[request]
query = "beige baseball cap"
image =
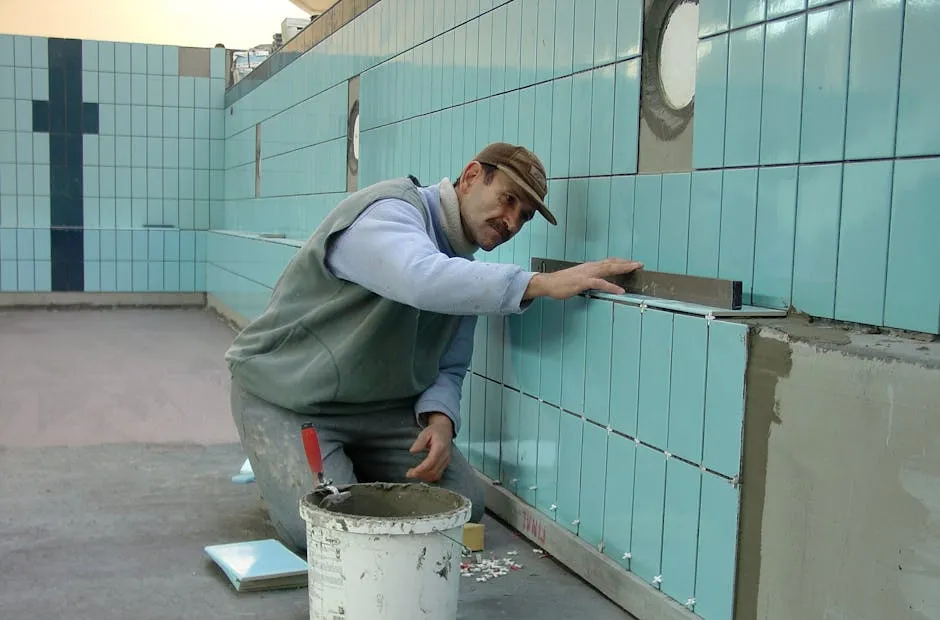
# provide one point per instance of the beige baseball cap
(523, 168)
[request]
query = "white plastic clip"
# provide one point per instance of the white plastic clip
(553, 507)
(710, 316)
(668, 455)
(533, 488)
(658, 580)
(636, 440)
(600, 547)
(514, 481)
(627, 556)
(690, 603)
(576, 522)
(643, 307)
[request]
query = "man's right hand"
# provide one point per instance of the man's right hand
(584, 277)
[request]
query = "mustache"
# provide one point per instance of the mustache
(501, 228)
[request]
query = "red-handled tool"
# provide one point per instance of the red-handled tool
(315, 459)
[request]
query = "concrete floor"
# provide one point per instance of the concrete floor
(117, 451)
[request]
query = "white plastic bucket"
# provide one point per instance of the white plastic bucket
(389, 551)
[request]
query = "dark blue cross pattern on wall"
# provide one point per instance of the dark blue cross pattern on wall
(66, 118)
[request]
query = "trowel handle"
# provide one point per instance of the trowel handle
(312, 448)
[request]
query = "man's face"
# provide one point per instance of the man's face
(492, 212)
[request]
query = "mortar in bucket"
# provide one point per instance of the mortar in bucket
(389, 551)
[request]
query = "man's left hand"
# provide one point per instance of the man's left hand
(436, 440)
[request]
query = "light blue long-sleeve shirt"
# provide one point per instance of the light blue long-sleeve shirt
(389, 250)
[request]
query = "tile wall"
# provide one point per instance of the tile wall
(111, 164)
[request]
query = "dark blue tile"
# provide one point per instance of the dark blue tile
(90, 118)
(41, 116)
(68, 271)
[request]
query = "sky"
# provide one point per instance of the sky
(237, 24)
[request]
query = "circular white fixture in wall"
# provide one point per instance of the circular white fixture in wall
(678, 55)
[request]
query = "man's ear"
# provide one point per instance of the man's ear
(469, 175)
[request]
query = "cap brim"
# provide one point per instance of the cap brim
(531, 193)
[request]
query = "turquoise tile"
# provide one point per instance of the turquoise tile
(674, 230)
(819, 200)
(574, 351)
(738, 227)
(561, 128)
(203, 99)
(913, 290)
(717, 548)
(26, 277)
(528, 449)
(918, 123)
(512, 351)
(494, 347)
(138, 90)
(747, 12)
(480, 338)
(122, 58)
(654, 381)
(498, 51)
(545, 40)
(874, 67)
(604, 30)
(680, 529)
(92, 275)
(24, 244)
(108, 212)
(687, 387)
(711, 85)
(570, 437)
(108, 275)
(8, 275)
(509, 441)
(646, 220)
(724, 397)
(139, 277)
(626, 117)
(583, 46)
(602, 120)
(492, 429)
(598, 219)
(530, 370)
(171, 60)
(629, 29)
(743, 103)
(23, 83)
(139, 58)
(779, 8)
(618, 501)
(92, 245)
(580, 142)
(22, 51)
(7, 83)
(782, 91)
(543, 121)
(139, 244)
(597, 366)
(39, 54)
(620, 231)
(124, 276)
(6, 50)
(473, 52)
(106, 56)
(41, 245)
(649, 491)
(108, 245)
(546, 494)
(43, 276)
(825, 83)
(200, 277)
(171, 276)
(576, 219)
(714, 16)
(773, 246)
(529, 41)
(484, 68)
(625, 368)
(187, 91)
(155, 276)
(592, 496)
(863, 241)
(564, 37)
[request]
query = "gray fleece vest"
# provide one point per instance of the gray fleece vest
(326, 345)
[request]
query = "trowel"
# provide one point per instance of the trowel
(325, 487)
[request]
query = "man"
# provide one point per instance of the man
(369, 331)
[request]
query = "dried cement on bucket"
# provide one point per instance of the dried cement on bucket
(389, 551)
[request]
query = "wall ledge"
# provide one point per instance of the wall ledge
(853, 340)
(102, 300)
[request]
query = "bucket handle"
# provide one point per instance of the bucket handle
(465, 547)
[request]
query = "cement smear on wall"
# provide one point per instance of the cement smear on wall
(841, 491)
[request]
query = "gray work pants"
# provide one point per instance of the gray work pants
(362, 447)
